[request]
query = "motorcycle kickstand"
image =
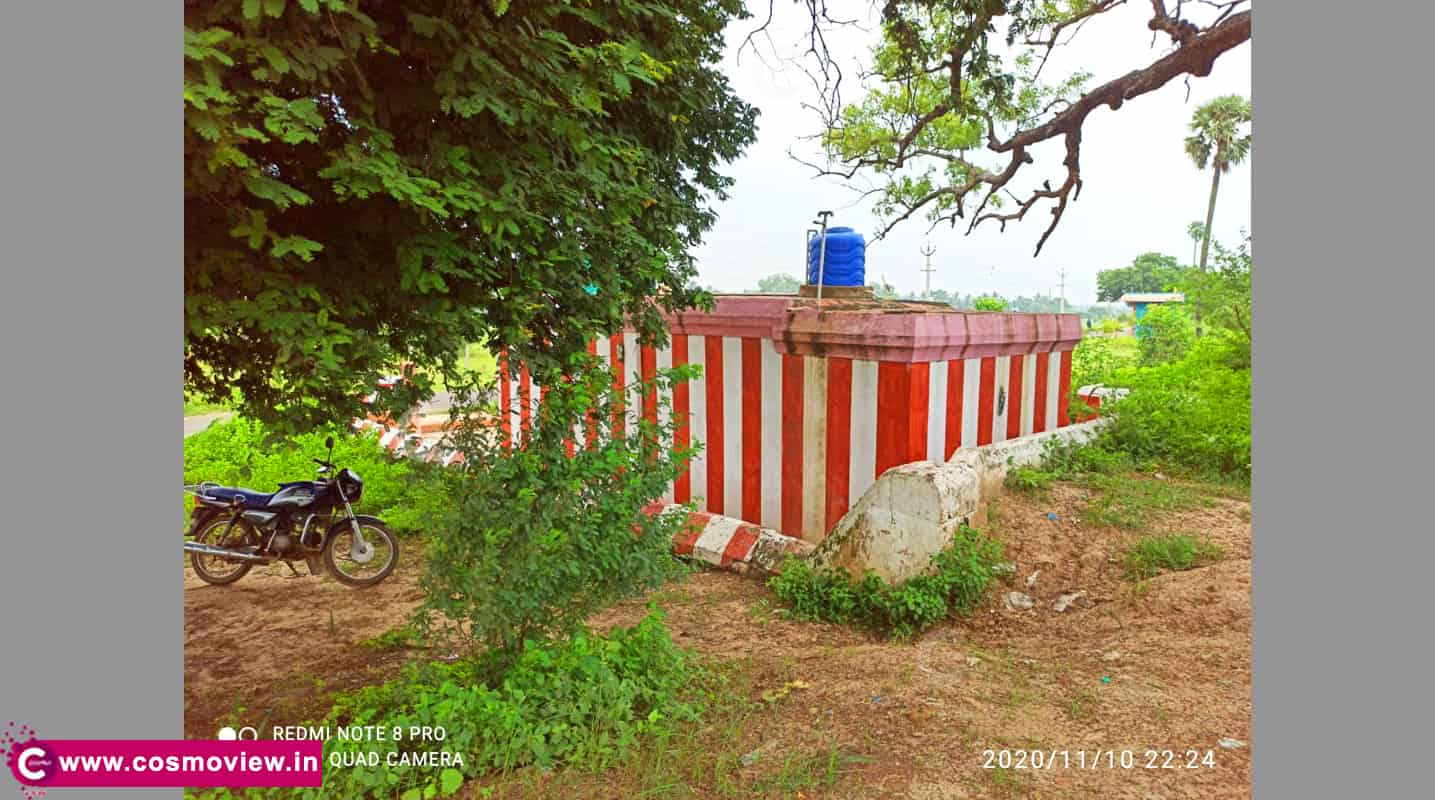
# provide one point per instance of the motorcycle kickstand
(290, 565)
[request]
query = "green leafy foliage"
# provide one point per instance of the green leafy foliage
(586, 701)
(779, 283)
(957, 583)
(1149, 272)
(244, 452)
(1166, 334)
(1193, 414)
(535, 540)
(1224, 296)
(989, 303)
(1152, 555)
(368, 183)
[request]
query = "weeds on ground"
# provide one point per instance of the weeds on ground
(1150, 556)
(960, 576)
(401, 638)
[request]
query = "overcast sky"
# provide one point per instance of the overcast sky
(1140, 190)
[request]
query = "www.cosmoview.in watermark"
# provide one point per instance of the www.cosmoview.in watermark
(42, 764)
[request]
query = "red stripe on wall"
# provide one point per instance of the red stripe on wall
(893, 416)
(740, 545)
(917, 428)
(1063, 392)
(505, 403)
(986, 400)
(712, 369)
(683, 486)
(751, 428)
(685, 538)
(792, 369)
(1038, 408)
(956, 374)
(615, 355)
(648, 370)
(1013, 399)
(525, 391)
(839, 436)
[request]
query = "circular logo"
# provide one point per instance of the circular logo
(34, 763)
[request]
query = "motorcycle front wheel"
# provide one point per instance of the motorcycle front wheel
(363, 569)
(215, 570)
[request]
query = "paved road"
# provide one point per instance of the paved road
(198, 422)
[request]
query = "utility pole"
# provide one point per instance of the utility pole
(1062, 274)
(928, 250)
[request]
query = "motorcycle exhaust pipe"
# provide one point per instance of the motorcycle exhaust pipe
(221, 552)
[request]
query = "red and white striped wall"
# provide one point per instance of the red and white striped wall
(792, 440)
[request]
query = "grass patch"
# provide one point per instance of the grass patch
(1152, 555)
(820, 769)
(1133, 501)
(400, 638)
(957, 584)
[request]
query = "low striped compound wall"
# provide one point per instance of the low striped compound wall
(800, 412)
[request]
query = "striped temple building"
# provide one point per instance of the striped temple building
(800, 412)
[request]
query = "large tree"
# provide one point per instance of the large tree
(373, 182)
(1219, 139)
(954, 111)
(1149, 272)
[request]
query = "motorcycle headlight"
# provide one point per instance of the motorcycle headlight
(353, 485)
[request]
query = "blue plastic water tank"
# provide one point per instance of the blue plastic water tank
(845, 263)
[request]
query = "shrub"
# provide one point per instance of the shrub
(535, 540)
(587, 700)
(1167, 333)
(1152, 555)
(960, 575)
(990, 303)
(242, 452)
(1193, 415)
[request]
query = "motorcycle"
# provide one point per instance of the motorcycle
(232, 528)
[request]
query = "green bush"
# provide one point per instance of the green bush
(1152, 555)
(242, 452)
(959, 579)
(588, 700)
(1193, 415)
(1166, 334)
(535, 540)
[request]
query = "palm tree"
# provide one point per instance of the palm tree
(1216, 139)
(1197, 232)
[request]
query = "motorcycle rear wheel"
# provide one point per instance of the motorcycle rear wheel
(242, 534)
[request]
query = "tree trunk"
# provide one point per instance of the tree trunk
(1210, 214)
(1210, 217)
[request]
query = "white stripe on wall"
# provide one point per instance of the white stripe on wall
(771, 436)
(1028, 393)
(732, 426)
(698, 422)
(999, 408)
(814, 448)
(937, 412)
(715, 537)
(1053, 389)
(971, 394)
(665, 399)
(515, 403)
(862, 466)
(632, 382)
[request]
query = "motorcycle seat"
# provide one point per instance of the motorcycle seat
(252, 499)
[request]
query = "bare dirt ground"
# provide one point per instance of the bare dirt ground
(1146, 668)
